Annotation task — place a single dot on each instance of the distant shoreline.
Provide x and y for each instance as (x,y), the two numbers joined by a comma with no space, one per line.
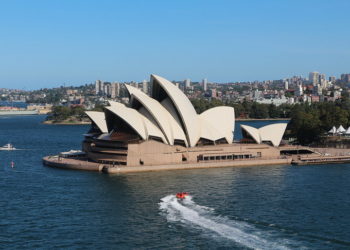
(88,123)
(265,119)
(66,123)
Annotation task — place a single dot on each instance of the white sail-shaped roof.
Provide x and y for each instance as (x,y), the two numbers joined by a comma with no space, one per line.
(186,112)
(99,119)
(333,130)
(165,121)
(341,129)
(253,132)
(221,120)
(144,127)
(168,115)
(115,104)
(273,133)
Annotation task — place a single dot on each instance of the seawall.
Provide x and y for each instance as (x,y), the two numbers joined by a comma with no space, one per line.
(80,164)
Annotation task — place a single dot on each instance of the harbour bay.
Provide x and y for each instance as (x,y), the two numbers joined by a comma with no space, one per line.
(243,207)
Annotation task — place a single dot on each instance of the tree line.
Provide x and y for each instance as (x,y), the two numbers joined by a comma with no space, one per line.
(63,113)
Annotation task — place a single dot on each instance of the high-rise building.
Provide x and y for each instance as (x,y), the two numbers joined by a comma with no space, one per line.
(98,87)
(187,83)
(204,84)
(314,78)
(115,90)
(299,90)
(321,77)
(107,88)
(332,79)
(286,85)
(345,78)
(318,89)
(145,86)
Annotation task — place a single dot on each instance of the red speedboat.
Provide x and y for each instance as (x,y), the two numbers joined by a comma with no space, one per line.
(181,195)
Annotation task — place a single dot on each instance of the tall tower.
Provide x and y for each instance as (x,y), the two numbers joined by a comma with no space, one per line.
(187,83)
(115,90)
(314,78)
(145,86)
(107,88)
(205,84)
(98,87)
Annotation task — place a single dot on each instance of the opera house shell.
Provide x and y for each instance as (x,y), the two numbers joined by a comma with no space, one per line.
(164,128)
(272,133)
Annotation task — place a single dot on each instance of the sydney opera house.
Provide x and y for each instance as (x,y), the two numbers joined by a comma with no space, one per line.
(164,129)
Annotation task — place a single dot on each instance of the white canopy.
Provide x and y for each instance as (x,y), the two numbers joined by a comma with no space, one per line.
(333,130)
(347,132)
(341,129)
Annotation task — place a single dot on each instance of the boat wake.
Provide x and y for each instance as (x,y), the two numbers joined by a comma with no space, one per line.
(191,214)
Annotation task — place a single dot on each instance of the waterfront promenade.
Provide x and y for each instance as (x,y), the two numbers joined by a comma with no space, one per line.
(83,164)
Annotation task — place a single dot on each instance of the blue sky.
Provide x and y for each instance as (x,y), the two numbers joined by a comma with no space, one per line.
(50,43)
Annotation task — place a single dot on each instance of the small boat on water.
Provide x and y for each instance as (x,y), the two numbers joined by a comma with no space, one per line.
(181,195)
(7,146)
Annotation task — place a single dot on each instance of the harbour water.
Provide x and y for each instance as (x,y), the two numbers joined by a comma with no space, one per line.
(271,207)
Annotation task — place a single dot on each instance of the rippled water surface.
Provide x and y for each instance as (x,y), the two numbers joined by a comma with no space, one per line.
(271,207)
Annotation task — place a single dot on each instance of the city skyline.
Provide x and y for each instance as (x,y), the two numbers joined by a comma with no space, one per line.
(48,44)
(188,82)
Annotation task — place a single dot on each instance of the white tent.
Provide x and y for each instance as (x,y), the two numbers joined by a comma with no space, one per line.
(333,130)
(341,130)
(347,132)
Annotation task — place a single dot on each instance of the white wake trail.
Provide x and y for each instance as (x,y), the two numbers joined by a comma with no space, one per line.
(189,213)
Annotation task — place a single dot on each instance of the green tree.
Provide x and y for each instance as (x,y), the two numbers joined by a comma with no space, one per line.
(305,127)
(273,111)
(259,111)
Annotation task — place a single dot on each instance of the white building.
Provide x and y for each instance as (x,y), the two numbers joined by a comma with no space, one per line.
(115,90)
(314,78)
(275,101)
(145,86)
(98,87)
(205,84)
(107,88)
(187,83)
